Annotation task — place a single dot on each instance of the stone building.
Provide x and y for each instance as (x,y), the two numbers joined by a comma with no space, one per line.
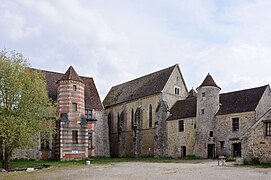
(155,115)
(78,131)
(137,111)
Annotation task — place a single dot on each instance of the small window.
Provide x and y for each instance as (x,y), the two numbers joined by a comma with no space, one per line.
(235,124)
(211,134)
(181,126)
(44,140)
(75,137)
(195,126)
(268,128)
(74,107)
(202,111)
(88,113)
(177,91)
(74,87)
(203,94)
(222,144)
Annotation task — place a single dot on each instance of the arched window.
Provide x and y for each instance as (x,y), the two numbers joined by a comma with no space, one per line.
(150,115)
(138,121)
(132,118)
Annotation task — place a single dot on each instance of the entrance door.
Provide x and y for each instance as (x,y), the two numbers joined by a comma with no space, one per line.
(183,151)
(236,147)
(211,151)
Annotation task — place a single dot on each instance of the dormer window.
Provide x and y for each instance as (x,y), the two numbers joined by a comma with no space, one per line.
(177,91)
(74,87)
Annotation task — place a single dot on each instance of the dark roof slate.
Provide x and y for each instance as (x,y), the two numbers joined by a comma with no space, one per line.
(184,109)
(192,93)
(240,101)
(92,99)
(209,81)
(144,86)
(232,102)
(71,74)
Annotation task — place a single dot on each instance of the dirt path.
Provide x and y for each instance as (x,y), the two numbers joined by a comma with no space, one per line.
(140,170)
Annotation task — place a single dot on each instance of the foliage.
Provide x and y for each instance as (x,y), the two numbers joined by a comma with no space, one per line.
(25,108)
(230,159)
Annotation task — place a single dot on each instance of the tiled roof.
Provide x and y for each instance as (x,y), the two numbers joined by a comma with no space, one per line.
(184,109)
(92,99)
(144,86)
(71,74)
(209,81)
(232,102)
(240,101)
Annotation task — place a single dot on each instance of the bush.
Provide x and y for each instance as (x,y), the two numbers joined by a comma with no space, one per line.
(230,159)
(255,161)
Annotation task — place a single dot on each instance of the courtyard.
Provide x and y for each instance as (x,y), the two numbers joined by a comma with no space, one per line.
(204,169)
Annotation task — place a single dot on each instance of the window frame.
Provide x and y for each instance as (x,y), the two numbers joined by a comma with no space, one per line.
(177,91)
(74,107)
(268,129)
(88,113)
(74,136)
(74,87)
(44,140)
(181,125)
(235,124)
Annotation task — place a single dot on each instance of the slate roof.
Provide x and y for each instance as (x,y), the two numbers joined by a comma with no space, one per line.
(71,74)
(232,102)
(92,99)
(184,109)
(209,81)
(240,101)
(144,86)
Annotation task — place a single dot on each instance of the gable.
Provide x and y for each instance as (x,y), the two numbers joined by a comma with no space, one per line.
(144,86)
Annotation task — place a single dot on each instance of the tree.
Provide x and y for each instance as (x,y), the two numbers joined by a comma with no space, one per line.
(25,108)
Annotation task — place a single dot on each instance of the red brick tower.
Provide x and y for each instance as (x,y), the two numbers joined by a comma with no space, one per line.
(73,127)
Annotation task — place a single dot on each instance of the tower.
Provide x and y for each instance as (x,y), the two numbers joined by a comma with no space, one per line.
(207,107)
(73,134)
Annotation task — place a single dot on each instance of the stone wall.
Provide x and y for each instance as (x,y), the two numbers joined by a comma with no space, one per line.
(256,143)
(102,136)
(224,132)
(178,139)
(264,104)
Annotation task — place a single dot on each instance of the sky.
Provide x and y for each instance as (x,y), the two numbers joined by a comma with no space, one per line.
(117,41)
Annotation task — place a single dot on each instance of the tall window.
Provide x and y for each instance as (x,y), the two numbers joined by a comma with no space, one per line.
(132,119)
(203,94)
(44,140)
(222,144)
(88,113)
(235,124)
(74,136)
(268,128)
(150,116)
(74,107)
(181,126)
(90,141)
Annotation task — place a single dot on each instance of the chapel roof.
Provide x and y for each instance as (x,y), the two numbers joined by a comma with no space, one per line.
(143,86)
(92,99)
(232,102)
(209,81)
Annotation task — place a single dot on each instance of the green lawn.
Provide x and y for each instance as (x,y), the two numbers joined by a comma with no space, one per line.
(97,160)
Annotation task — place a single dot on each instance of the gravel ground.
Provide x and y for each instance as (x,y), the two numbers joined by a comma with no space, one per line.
(141,170)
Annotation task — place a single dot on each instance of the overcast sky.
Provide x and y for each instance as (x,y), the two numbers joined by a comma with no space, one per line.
(114,41)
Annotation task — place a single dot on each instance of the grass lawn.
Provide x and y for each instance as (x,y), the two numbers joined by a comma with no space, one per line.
(97,160)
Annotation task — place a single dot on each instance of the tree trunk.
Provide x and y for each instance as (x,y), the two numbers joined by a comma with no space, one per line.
(1,153)
(7,160)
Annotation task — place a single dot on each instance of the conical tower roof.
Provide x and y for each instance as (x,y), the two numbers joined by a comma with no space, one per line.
(209,81)
(192,93)
(71,75)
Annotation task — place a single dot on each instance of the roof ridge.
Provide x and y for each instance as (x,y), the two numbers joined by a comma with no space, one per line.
(145,75)
(244,89)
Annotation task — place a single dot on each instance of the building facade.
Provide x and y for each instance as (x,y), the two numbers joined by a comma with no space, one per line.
(78,131)
(155,115)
